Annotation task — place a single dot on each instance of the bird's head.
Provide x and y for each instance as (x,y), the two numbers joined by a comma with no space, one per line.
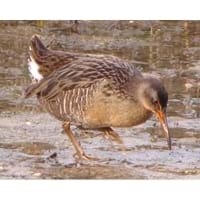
(154,98)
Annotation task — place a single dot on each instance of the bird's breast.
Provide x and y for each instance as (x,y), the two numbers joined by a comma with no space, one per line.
(114,112)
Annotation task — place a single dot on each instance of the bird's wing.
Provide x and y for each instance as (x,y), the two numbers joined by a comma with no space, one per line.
(46,59)
(83,73)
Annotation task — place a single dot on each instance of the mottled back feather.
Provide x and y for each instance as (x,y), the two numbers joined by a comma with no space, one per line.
(83,73)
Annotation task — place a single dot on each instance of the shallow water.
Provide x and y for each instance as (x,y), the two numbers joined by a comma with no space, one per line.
(28,135)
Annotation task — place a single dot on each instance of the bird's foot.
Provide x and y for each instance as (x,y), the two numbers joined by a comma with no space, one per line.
(111,135)
(83,156)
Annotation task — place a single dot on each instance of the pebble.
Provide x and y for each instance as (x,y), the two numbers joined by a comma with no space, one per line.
(28,123)
(188,85)
(37,174)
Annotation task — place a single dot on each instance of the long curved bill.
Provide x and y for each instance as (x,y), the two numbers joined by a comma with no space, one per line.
(163,120)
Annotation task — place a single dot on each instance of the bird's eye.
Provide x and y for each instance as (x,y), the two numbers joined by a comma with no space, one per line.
(155,102)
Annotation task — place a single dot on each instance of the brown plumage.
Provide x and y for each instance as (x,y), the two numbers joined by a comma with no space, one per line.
(94,91)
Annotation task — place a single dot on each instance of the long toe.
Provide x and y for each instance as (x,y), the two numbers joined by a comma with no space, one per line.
(85,157)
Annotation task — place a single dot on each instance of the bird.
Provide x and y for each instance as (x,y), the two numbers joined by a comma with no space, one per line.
(94,91)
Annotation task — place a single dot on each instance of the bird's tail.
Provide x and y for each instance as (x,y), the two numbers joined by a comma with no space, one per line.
(37,49)
(37,62)
(44,61)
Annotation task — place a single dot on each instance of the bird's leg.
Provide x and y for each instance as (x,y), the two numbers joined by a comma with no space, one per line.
(79,151)
(111,134)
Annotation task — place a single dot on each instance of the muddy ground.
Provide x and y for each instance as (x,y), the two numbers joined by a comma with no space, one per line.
(29,135)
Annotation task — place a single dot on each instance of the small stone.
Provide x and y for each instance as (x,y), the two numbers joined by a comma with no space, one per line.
(188,85)
(183,146)
(28,123)
(1,168)
(37,174)
(54,155)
